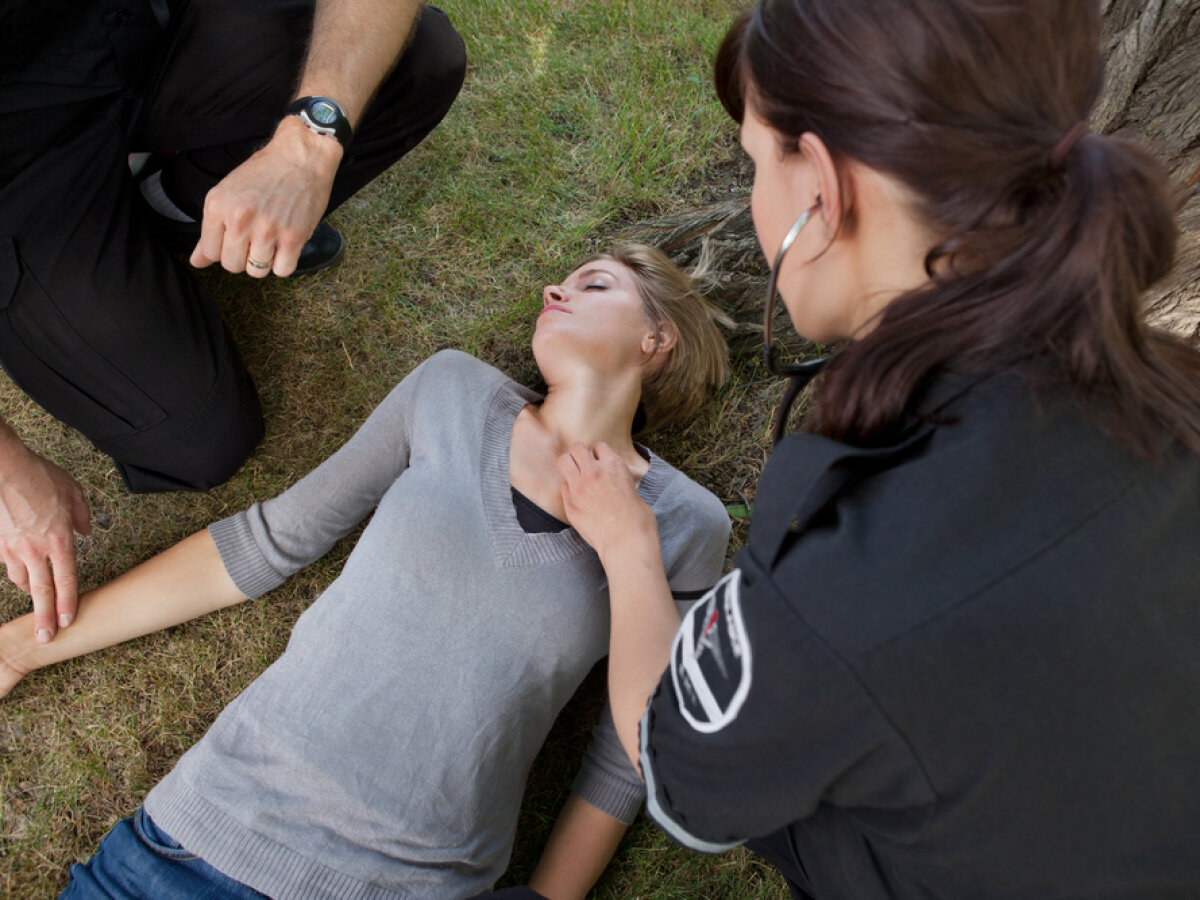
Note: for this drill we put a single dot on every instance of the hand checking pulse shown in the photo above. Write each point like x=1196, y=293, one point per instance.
x=257, y=219
x=601, y=500
x=41, y=506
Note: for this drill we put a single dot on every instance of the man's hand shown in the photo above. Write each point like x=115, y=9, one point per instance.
x=265, y=209
x=40, y=508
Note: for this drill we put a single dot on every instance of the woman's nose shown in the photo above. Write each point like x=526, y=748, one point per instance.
x=552, y=293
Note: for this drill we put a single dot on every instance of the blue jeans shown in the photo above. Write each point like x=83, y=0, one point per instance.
x=138, y=860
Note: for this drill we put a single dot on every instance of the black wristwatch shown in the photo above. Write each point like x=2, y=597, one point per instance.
x=323, y=116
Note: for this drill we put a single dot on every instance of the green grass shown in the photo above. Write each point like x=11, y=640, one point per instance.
x=577, y=120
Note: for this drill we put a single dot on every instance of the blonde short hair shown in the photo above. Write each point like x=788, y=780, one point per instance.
x=698, y=363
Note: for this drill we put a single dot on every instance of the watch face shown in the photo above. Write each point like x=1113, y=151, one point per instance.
x=323, y=112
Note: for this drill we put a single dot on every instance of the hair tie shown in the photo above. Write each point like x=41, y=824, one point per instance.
x=1067, y=143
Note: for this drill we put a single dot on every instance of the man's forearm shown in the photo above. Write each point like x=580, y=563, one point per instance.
x=267, y=207
x=354, y=45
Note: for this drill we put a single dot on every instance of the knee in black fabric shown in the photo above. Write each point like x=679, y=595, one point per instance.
x=197, y=450
x=443, y=58
x=214, y=463
x=421, y=89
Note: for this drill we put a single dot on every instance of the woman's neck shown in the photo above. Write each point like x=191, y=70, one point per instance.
x=887, y=257
x=590, y=411
x=586, y=410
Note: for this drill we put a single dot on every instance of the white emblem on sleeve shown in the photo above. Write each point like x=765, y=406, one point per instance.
x=710, y=659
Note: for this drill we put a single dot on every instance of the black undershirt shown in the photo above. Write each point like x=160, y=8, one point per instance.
x=532, y=518
x=535, y=520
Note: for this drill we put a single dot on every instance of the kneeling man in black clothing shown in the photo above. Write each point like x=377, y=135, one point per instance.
x=248, y=122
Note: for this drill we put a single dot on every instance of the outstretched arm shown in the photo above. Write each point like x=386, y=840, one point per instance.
x=179, y=584
x=580, y=846
x=269, y=205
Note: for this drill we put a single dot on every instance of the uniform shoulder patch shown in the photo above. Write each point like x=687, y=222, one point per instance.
x=710, y=659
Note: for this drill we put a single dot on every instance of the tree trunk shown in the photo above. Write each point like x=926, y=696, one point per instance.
x=1151, y=96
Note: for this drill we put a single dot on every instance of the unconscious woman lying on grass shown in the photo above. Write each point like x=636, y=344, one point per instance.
x=385, y=753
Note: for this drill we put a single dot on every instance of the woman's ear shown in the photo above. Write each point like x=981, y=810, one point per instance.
x=668, y=335
x=663, y=339
x=822, y=179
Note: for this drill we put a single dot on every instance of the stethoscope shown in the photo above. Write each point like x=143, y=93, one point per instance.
x=798, y=374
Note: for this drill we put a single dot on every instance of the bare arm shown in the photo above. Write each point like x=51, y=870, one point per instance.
x=355, y=44
x=177, y=585
x=268, y=206
x=41, y=507
x=644, y=623
x=580, y=846
x=603, y=505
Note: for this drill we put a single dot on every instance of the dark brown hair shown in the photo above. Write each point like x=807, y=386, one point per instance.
x=1047, y=244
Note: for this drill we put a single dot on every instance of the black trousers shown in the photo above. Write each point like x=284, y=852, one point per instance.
x=779, y=850
x=98, y=323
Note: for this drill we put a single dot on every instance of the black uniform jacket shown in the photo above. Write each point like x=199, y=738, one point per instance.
x=966, y=665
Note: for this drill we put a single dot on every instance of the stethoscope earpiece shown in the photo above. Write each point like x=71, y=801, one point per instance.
x=799, y=374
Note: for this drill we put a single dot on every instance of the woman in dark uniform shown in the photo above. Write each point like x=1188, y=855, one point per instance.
x=958, y=655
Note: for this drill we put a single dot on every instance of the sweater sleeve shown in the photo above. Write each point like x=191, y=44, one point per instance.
x=607, y=779
x=694, y=535
x=262, y=546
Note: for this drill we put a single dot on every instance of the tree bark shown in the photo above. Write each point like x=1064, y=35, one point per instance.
x=1151, y=96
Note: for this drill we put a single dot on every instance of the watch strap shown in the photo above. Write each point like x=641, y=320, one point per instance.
x=323, y=116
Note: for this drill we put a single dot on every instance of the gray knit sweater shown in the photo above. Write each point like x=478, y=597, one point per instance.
x=385, y=753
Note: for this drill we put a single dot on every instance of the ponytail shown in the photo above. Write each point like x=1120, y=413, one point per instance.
x=1051, y=234
x=1055, y=295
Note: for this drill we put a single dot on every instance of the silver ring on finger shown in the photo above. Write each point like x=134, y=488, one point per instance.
x=255, y=264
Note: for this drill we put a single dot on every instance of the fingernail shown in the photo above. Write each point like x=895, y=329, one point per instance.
x=64, y=620
x=43, y=635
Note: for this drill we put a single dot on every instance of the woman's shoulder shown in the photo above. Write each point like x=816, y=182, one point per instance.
x=693, y=528
x=455, y=374
x=681, y=497
x=458, y=364
x=448, y=390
